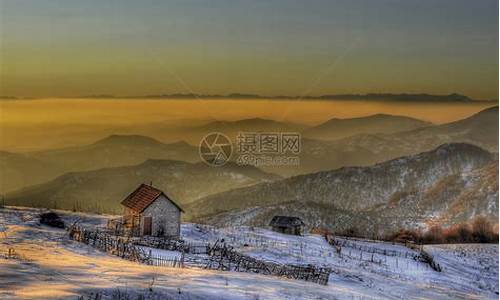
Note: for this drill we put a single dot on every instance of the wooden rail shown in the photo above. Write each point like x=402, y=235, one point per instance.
x=220, y=255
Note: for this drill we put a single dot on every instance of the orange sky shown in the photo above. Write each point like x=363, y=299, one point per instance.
x=53, y=48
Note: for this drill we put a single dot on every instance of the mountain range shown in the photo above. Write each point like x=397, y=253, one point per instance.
x=369, y=140
x=446, y=185
x=405, y=97
x=378, y=173
x=365, y=149
x=21, y=170
x=232, y=128
x=380, y=123
x=102, y=190
x=113, y=151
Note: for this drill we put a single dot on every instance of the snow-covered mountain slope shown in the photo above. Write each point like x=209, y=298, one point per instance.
x=451, y=183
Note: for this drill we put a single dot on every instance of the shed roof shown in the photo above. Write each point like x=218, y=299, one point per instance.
x=143, y=196
x=285, y=221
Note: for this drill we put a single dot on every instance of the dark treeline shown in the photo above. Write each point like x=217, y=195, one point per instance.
x=478, y=230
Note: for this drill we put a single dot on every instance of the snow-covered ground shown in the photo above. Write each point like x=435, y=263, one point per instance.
x=52, y=266
x=469, y=267
x=397, y=276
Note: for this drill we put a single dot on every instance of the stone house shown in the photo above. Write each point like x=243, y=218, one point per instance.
x=149, y=211
x=287, y=225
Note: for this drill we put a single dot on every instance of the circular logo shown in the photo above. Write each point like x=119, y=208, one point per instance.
x=215, y=149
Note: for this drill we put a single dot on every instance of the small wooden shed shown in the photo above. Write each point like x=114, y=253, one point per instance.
x=149, y=211
x=288, y=225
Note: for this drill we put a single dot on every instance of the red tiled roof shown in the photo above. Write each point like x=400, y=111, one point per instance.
x=142, y=197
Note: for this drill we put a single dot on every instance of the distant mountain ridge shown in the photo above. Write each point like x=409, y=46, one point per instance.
x=380, y=123
x=127, y=140
x=102, y=190
x=419, y=97
x=112, y=151
x=19, y=170
x=480, y=129
x=363, y=146
x=422, y=97
x=119, y=150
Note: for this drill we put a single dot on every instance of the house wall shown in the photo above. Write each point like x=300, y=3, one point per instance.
x=295, y=230
x=128, y=212
x=166, y=217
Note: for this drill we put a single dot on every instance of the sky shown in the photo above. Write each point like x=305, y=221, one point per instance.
x=64, y=48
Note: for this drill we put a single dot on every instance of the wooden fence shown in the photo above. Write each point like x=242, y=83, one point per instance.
x=428, y=258
x=220, y=256
x=119, y=246
x=164, y=261
x=173, y=245
x=422, y=255
x=223, y=257
x=375, y=250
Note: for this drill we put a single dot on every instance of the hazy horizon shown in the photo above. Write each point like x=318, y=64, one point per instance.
x=268, y=48
x=27, y=125
x=245, y=96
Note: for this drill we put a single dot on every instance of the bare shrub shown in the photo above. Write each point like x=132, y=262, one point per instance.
x=460, y=233
x=480, y=230
x=483, y=231
x=435, y=235
x=350, y=232
x=405, y=235
x=320, y=230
